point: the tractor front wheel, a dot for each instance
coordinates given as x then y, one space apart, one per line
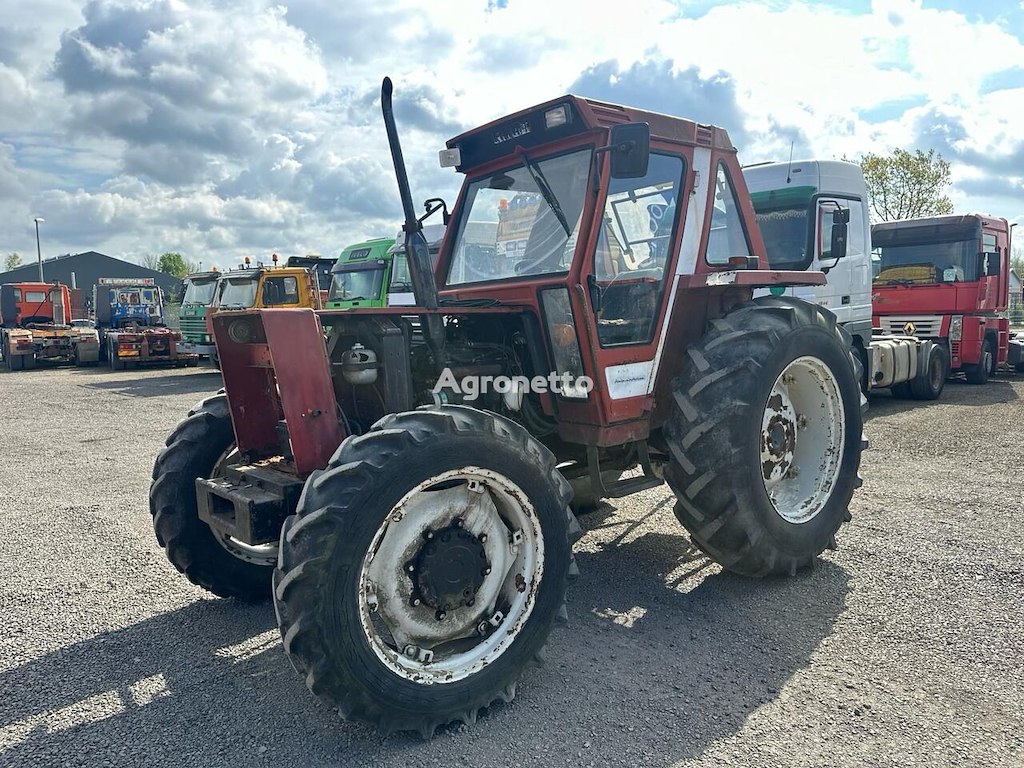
765 438
424 568
202 446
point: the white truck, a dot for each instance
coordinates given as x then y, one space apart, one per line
797 205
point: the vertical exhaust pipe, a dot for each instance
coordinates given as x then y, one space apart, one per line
420 269
416 249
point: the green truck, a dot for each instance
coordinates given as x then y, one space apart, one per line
200 288
375 273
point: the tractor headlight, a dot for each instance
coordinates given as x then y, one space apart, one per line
956 327
241 331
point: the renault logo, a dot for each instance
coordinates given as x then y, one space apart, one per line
910 329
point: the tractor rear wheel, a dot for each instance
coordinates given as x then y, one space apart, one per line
425 567
765 437
201 446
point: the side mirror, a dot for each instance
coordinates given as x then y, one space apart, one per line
840 227
631 150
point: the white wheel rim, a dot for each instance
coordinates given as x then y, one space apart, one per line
410 639
803 432
257 554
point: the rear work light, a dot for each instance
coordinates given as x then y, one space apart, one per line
450 157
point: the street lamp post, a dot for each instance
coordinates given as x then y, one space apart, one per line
39 251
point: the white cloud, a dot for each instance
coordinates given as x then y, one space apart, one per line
145 125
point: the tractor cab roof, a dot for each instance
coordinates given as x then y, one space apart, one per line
569 115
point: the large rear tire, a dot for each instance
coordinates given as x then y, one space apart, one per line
200 447
765 438
425 567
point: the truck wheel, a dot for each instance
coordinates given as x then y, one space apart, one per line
199 447
979 373
424 568
929 383
765 437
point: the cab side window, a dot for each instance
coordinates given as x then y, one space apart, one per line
634 243
727 237
280 290
855 245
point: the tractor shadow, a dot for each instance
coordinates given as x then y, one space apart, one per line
150 382
663 655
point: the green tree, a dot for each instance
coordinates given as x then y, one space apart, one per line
906 185
1017 260
173 264
12 261
151 261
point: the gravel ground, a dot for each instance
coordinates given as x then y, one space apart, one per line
903 648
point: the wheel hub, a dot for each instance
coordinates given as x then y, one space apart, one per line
778 437
450 568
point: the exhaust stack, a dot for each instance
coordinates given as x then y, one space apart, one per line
421 271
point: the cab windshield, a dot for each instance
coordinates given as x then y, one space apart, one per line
785 236
511 229
357 284
952 262
200 291
238 291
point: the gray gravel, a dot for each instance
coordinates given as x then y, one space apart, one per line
904 647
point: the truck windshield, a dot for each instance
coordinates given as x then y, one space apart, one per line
238 292
508 229
928 263
200 291
785 236
355 284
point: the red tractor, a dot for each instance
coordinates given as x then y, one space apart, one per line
403 490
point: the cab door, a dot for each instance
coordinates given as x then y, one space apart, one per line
628 276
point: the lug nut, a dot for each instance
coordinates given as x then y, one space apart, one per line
482 537
440 615
415 601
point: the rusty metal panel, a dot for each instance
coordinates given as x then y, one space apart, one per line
299 355
251 389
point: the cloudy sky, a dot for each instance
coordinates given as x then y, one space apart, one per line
220 129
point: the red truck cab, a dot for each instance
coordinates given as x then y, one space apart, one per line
946 278
24 303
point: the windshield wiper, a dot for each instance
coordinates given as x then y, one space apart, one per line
545 189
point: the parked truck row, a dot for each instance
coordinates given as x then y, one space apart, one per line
922 299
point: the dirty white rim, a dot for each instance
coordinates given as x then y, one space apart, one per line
257 554
402 628
803 432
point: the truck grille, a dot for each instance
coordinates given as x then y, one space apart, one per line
192 327
924 326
